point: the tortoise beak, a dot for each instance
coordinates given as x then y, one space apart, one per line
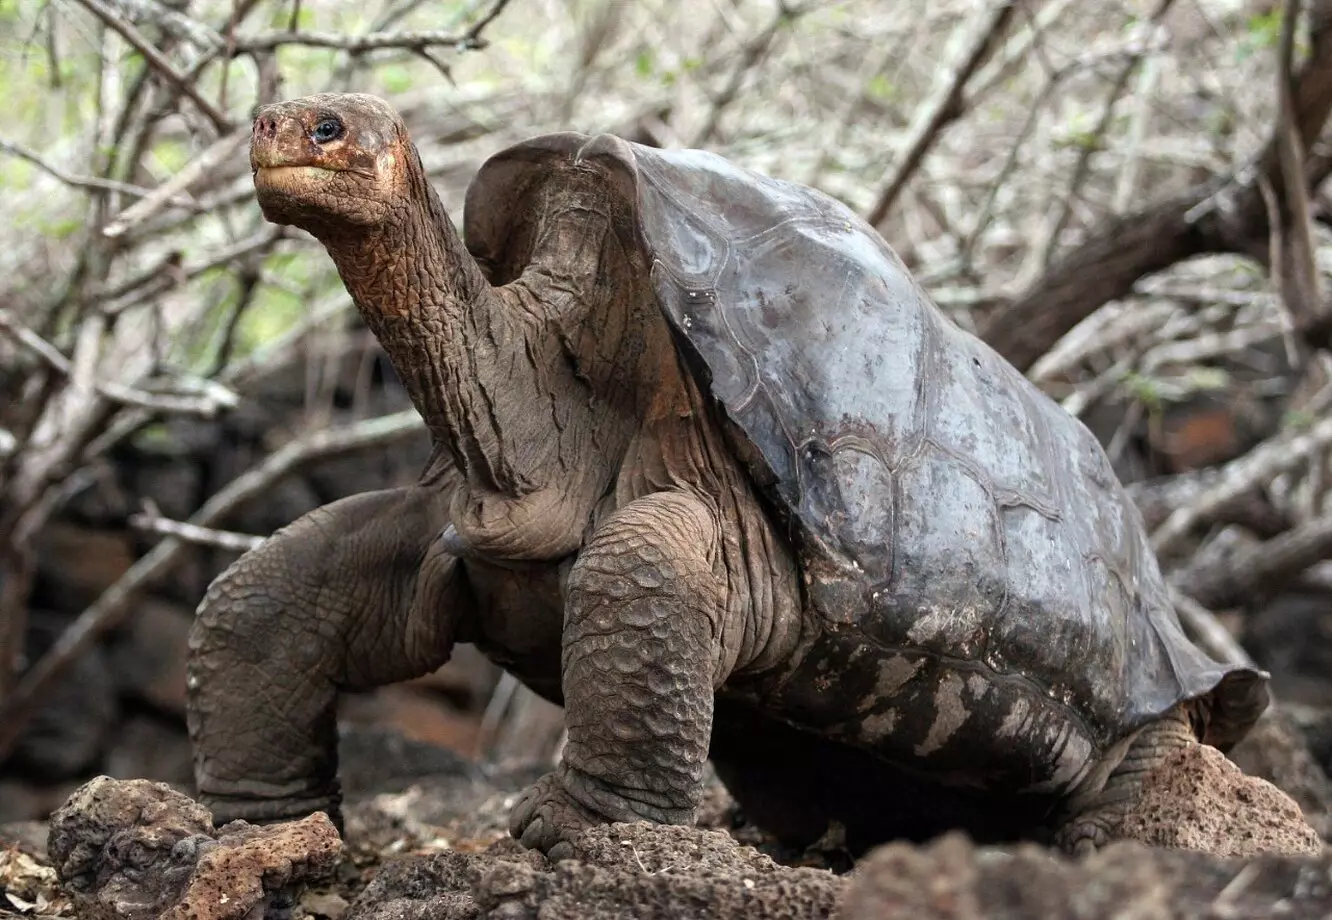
279 139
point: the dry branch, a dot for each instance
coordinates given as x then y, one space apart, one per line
1224 214
153 522
1227 579
89 183
114 604
417 41
943 106
206 406
158 62
1242 475
172 191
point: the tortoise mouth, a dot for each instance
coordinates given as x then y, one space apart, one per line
291 178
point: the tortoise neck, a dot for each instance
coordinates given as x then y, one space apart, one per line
422 294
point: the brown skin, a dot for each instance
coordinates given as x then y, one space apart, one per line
583 523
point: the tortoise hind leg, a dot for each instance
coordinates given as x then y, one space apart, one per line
1095 812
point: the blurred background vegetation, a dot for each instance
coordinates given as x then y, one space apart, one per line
1125 198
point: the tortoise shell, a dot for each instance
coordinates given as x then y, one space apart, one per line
939 502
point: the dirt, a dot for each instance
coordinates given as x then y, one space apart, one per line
425 838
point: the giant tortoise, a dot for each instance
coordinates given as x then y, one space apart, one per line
713 473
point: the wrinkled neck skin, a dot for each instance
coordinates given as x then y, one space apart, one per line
502 375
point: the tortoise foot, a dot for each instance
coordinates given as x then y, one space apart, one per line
548 818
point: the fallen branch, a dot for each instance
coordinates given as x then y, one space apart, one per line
1157 499
1240 476
114 603
1227 579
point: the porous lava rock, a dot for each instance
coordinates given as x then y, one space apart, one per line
139 850
950 879
1196 799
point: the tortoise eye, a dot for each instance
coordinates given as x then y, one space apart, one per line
328 129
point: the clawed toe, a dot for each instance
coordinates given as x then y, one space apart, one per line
547 818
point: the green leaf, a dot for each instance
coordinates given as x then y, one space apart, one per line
880 87
397 79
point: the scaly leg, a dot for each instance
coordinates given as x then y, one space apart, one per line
1096 813
355 594
642 657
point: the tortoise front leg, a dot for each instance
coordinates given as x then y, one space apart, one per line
642 655
355 594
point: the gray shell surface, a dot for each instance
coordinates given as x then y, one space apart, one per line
940 502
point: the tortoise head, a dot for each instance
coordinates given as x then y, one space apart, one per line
332 161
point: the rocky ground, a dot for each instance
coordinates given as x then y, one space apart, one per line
425 838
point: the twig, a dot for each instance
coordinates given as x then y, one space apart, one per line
170 192
1143 93
942 107
91 183
1090 145
206 405
1205 629
372 41
113 605
155 283
153 522
1222 214
158 62
1241 475
177 25
749 56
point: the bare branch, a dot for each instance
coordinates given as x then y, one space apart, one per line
158 62
89 183
152 521
1092 143
417 42
206 405
114 604
1221 215
943 106
1296 267
175 24
1226 579
752 53
1205 629
1242 475
171 191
